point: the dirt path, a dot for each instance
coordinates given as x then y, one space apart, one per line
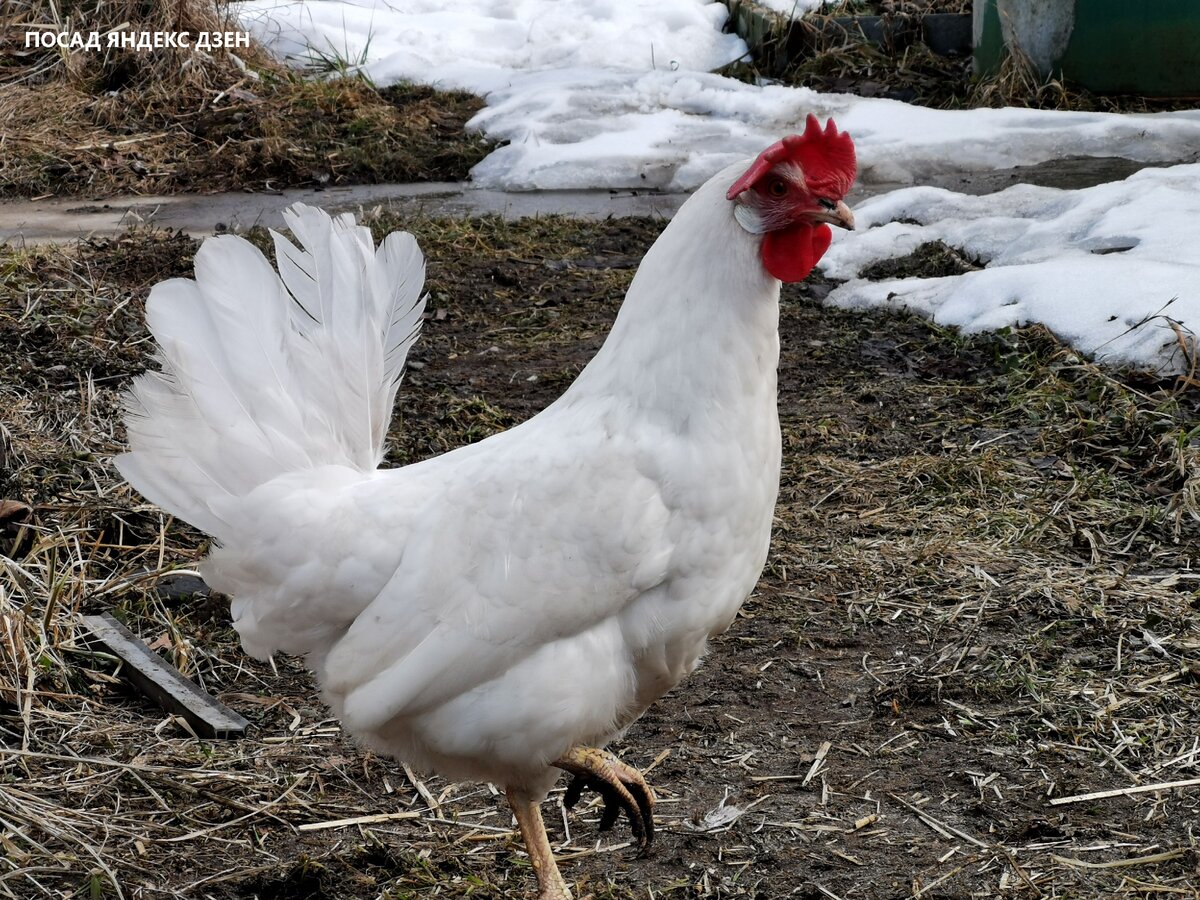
50 220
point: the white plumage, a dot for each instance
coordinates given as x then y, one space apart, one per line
482 612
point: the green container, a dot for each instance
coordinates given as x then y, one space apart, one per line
1108 46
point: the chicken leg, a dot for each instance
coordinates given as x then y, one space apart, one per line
621 786
533 832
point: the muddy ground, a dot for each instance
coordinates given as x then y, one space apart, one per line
982 596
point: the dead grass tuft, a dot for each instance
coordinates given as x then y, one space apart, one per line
935 259
114 68
1018 83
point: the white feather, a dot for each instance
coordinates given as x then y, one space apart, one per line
262 374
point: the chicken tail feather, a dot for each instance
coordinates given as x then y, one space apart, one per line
263 372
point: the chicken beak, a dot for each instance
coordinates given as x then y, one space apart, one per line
840 216
843 217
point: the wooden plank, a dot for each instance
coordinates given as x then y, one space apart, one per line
163 683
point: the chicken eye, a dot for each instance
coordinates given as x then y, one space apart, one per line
777 187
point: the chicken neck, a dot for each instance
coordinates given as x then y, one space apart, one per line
699 325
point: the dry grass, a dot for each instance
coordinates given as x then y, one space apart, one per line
917 75
1018 83
983 594
175 119
112 68
894 7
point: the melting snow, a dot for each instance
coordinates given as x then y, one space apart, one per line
794 8
1107 269
616 93
480 45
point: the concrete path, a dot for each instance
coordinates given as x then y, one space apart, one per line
56 220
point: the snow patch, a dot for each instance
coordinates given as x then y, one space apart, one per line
480 45
795 9
617 94
1107 269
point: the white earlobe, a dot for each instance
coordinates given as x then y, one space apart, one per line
749 219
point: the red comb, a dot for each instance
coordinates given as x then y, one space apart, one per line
826 156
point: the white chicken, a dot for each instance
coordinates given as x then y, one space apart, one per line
502 611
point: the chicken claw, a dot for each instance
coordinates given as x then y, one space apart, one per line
622 787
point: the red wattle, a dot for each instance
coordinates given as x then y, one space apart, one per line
790 253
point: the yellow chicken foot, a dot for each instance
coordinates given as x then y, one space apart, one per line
621 786
533 832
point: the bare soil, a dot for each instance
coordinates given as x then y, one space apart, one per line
982 596
286 132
